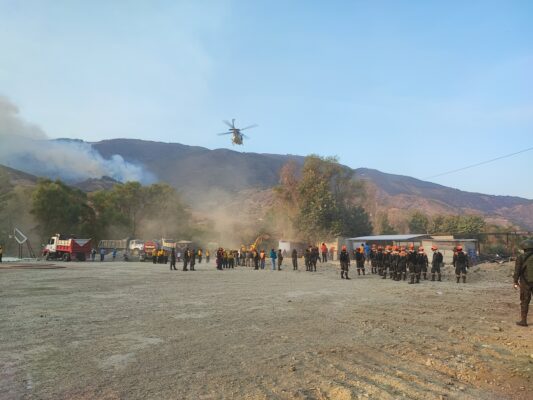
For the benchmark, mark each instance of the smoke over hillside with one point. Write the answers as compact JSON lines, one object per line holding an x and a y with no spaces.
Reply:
{"x":26,"y":147}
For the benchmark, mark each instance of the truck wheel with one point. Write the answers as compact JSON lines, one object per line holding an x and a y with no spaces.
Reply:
{"x":66,"y":257}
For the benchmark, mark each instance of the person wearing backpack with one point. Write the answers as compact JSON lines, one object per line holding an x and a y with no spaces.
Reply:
{"x":523,"y":278}
{"x":460,"y":262}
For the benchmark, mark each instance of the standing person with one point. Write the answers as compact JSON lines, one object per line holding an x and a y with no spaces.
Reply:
{"x":367,"y":252}
{"x":401,"y":265}
{"x":256,"y":259}
{"x":262,"y":258}
{"x":360,"y":261}
{"x":280,"y":259}
{"x":173,"y":260}
{"x":436,"y":262}
{"x":219,"y":258}
{"x":200,"y":256}
{"x":315,"y":257}
{"x":273,"y":257}
{"x":207,"y":255}
{"x":102,"y":254}
{"x":523,"y":279}
{"x":331,"y":253}
{"x":324,"y":251}
{"x":379,"y":260}
{"x":422,"y":260}
{"x":412,"y":263}
{"x":344,"y":258}
{"x":186,"y":258}
{"x":387,"y":258}
{"x":373,"y":260}
{"x":231,"y":259}
{"x":294,"y":256}
{"x":93,"y":254}
{"x":307,"y":259}
{"x":114,"y":254}
{"x":460,"y":262}
{"x":2,"y":253}
{"x":395,"y":255}
{"x":192,"y":261}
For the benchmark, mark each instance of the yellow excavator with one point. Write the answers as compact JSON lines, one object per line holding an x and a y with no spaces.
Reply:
{"x":258,"y":241}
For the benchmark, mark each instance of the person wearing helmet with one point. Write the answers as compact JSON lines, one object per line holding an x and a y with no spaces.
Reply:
{"x":360,"y":260}
{"x":436,"y":263}
{"x":422,"y":260}
{"x":394,"y":263}
{"x":523,"y":278}
{"x":386,"y":262}
{"x":401,"y":265}
{"x":460,"y":262}
{"x":379,"y":260}
{"x":412,"y":264}
{"x":344,"y":259}
{"x":373,"y":260}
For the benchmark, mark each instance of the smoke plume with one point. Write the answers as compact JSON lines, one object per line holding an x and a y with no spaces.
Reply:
{"x":26,"y":147}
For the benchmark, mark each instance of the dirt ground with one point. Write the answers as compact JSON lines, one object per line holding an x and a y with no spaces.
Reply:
{"x":139,"y":331}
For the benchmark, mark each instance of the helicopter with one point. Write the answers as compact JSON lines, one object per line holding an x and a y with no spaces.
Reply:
{"x":237,"y":137}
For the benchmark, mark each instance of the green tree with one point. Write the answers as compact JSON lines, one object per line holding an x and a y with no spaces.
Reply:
{"x":58,"y":208}
{"x":418,"y":223}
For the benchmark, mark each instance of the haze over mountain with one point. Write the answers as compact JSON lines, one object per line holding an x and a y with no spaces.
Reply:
{"x":218,"y":173}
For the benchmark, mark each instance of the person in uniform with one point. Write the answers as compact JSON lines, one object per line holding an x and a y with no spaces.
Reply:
{"x":373,"y":260}
{"x":192,"y":261}
{"x":219,"y":258}
{"x":294,"y":257}
{"x":436,"y":263}
{"x":412,"y":264}
{"x":401,"y":266}
{"x":307,"y":259}
{"x":207,"y":255}
{"x":280,"y":259}
{"x":394,"y":262}
{"x":262,"y":258}
{"x":523,"y":278}
{"x":173,"y":260}
{"x":379,"y":260}
{"x":460,"y":263}
{"x":324,"y":250}
{"x":186,"y":258}
{"x":387,"y":258}
{"x":360,"y":261}
{"x":344,"y":258}
{"x":423,"y":263}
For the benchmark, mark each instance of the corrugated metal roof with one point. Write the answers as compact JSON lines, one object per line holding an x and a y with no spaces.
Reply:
{"x":390,"y":238}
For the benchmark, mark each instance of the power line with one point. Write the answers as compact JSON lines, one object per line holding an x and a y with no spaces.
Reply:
{"x":478,"y":164}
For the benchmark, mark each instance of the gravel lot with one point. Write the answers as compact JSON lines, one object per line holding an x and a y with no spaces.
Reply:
{"x":119,"y":330}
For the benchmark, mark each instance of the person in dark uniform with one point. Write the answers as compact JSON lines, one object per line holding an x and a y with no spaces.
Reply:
{"x":173,"y":260}
{"x":373,"y":260}
{"x":344,"y":259}
{"x":294,"y":257}
{"x":192,"y":260}
{"x":255,"y":256}
{"x":387,"y":258}
{"x":379,"y":260}
{"x":219,"y":258}
{"x":401,"y":267}
{"x":280,"y":259}
{"x":395,"y":255}
{"x":523,"y":279}
{"x":412,"y":264}
{"x":186,"y":258}
{"x":307,"y":259}
{"x":360,"y":261}
{"x":436,"y":263}
{"x":460,"y":262}
{"x":423,"y":263}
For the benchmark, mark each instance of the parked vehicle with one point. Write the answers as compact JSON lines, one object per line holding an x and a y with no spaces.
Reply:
{"x":150,"y":247}
{"x":65,"y":248}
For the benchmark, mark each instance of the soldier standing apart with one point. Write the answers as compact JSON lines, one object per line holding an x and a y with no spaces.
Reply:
{"x":423,"y":262}
{"x":273,"y":257}
{"x":173,"y":260}
{"x":280,"y":259}
{"x":460,"y":262}
{"x":186,"y":257}
{"x":360,"y":261}
{"x":294,"y":256}
{"x":436,"y":262}
{"x":344,"y":259}
{"x":523,"y":278}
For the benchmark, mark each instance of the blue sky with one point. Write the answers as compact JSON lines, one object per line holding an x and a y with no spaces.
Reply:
{"x":408,"y":87}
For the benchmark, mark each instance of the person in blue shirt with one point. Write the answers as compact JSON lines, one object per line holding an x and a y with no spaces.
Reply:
{"x":273,"y":257}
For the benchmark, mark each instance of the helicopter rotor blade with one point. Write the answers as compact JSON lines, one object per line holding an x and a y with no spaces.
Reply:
{"x":224,"y":133}
{"x":245,"y":136}
{"x":249,"y":127}
{"x":228,"y":123}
